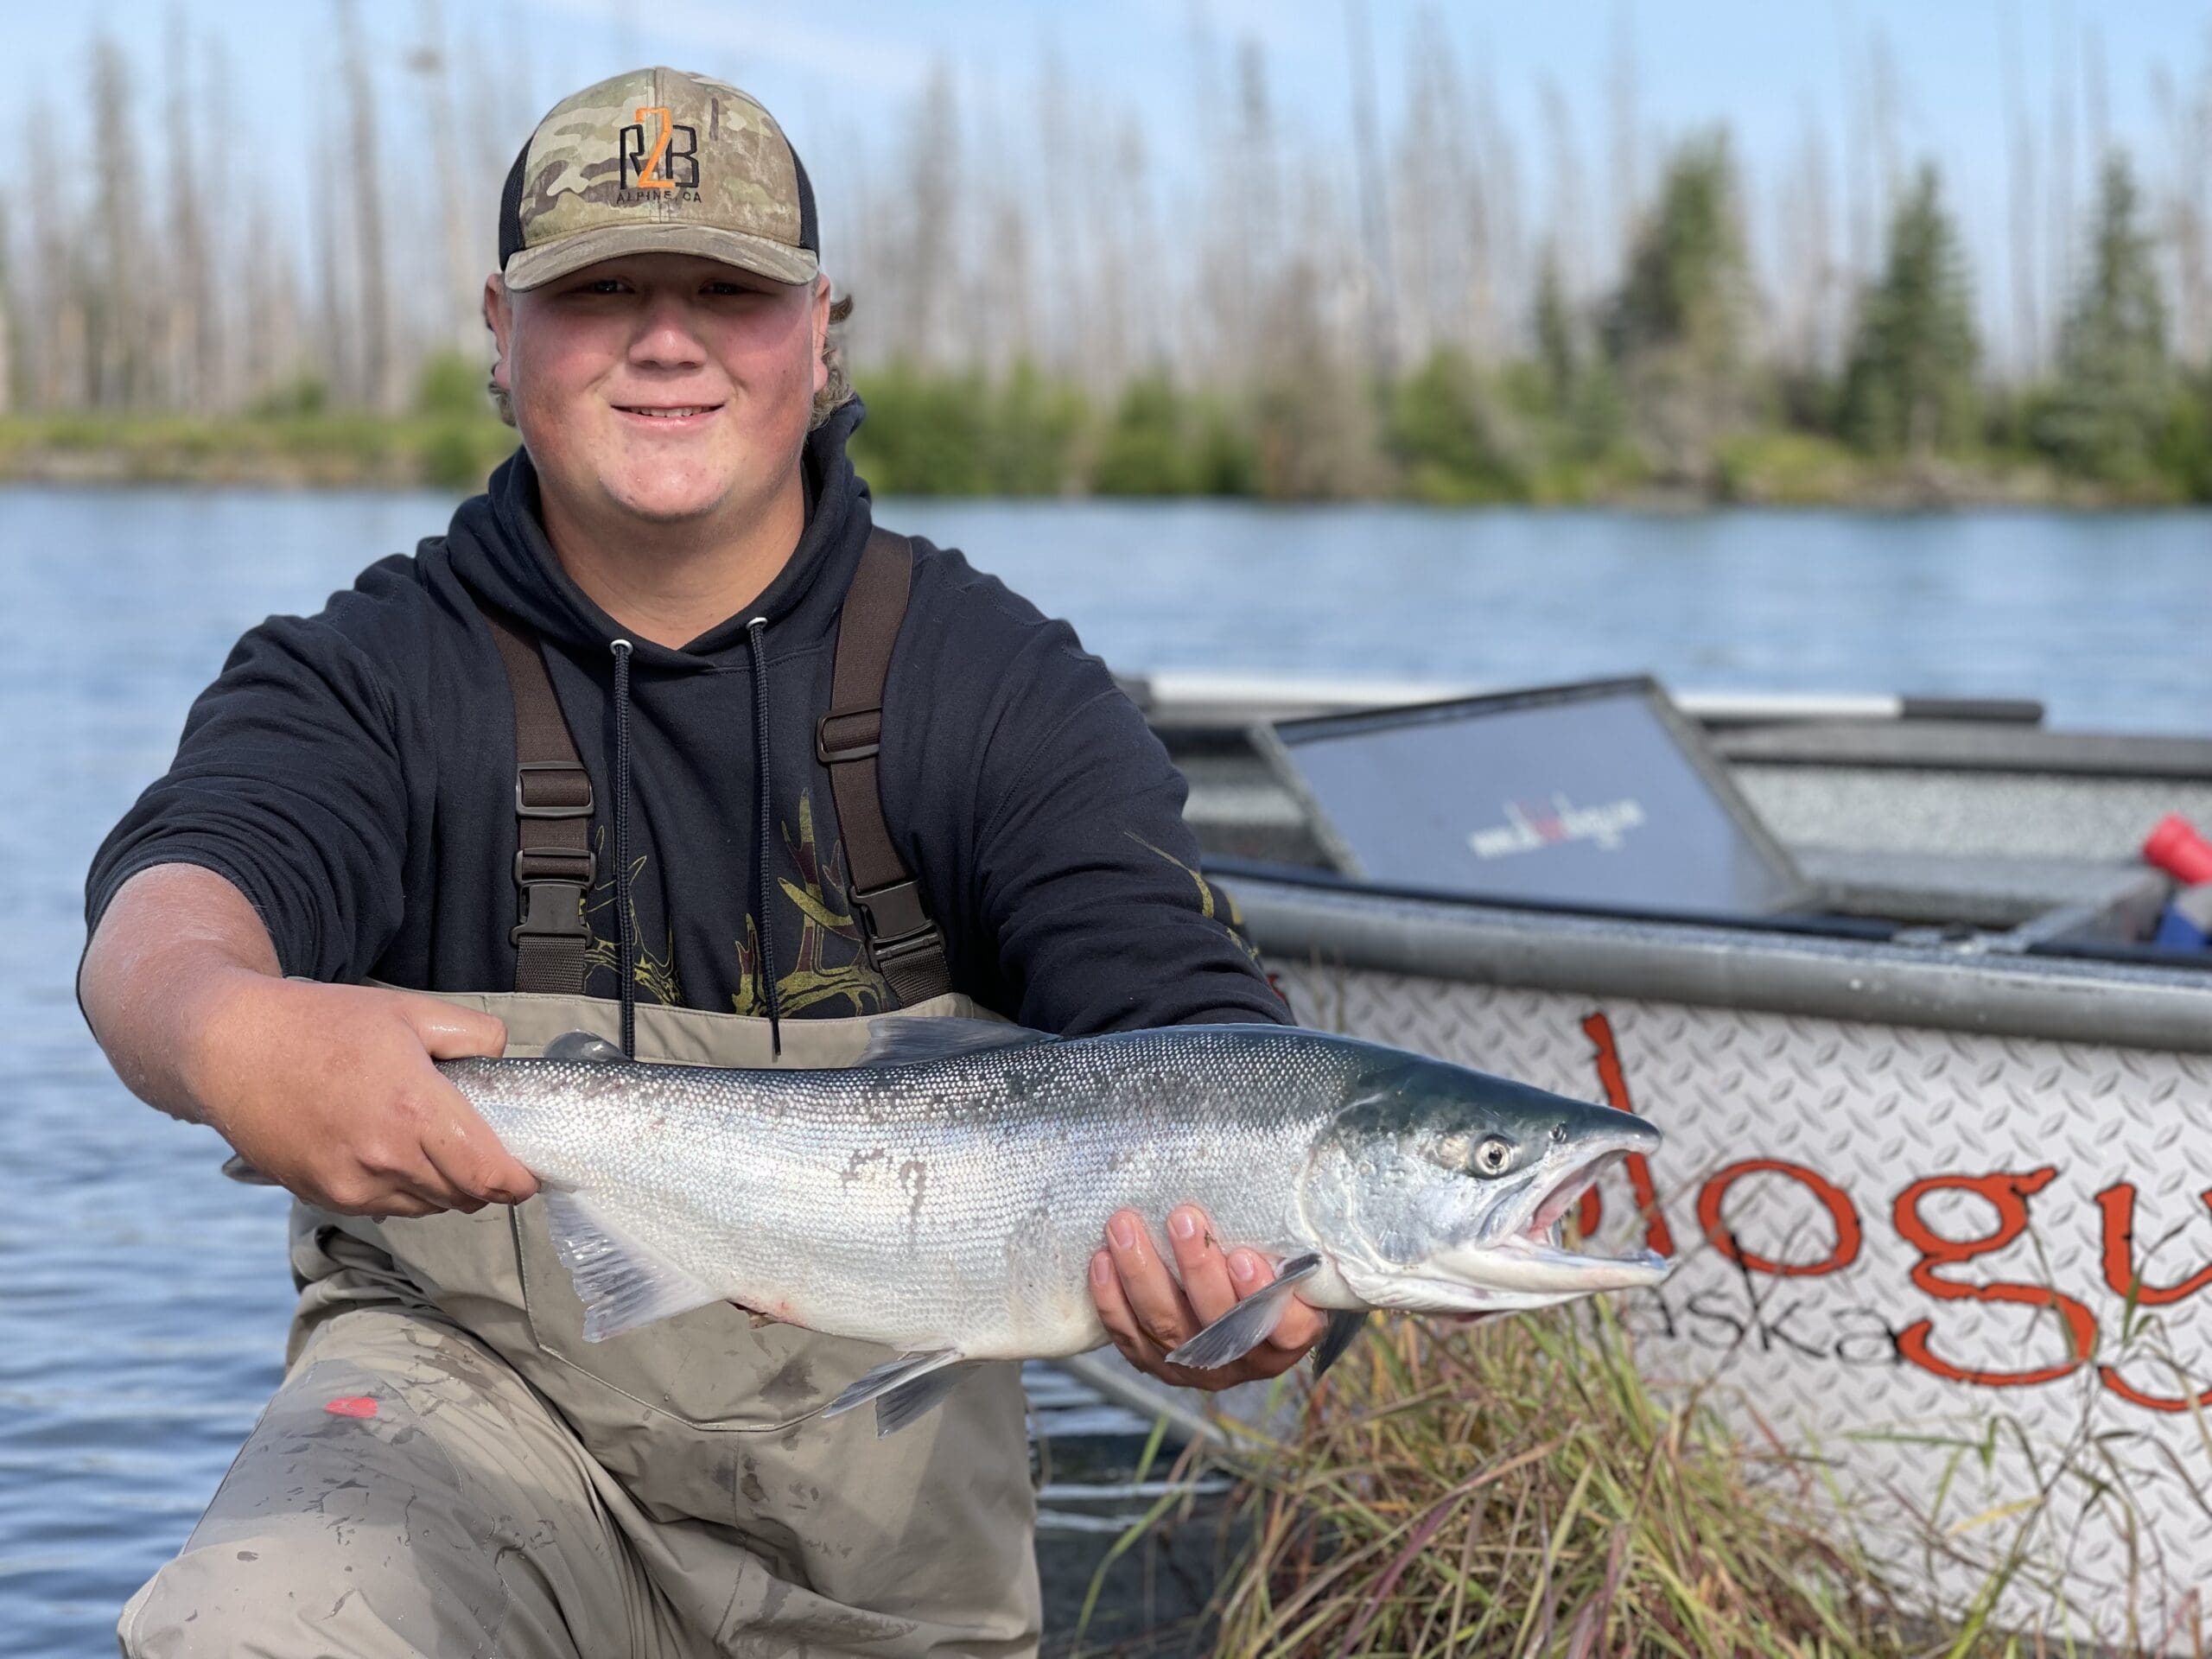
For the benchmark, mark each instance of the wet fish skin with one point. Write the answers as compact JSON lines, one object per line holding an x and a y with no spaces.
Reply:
{"x":951,"y":1204}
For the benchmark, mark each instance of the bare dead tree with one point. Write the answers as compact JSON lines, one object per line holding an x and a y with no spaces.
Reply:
{"x":458,"y":323}
{"x":2059,"y":218}
{"x":1621,"y":97}
{"x":365,"y":175}
{"x":120,"y":357}
{"x":1379,"y":274}
{"x":2022,"y":195}
{"x":187,"y":324}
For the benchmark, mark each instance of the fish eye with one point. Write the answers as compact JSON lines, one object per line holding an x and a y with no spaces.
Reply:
{"x":1493,"y":1155}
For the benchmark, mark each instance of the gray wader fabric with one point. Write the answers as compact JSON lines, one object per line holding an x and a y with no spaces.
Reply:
{"x":488,"y":1483}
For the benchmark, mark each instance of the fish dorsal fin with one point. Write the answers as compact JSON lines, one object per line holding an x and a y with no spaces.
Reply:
{"x":904,"y":1041}
{"x":622,"y":1282}
{"x":583,"y":1046}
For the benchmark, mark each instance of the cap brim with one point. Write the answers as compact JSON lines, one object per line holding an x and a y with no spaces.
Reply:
{"x":777,"y":261}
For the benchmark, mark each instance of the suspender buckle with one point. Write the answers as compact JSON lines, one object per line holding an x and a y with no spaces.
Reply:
{"x":559,"y":799}
{"x":894,"y":921}
{"x":554,"y":880}
{"x":848,"y":734}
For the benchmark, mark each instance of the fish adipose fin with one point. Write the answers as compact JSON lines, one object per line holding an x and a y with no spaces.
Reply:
{"x":1345,"y":1327}
{"x":623,"y":1284}
{"x":909,"y":1042}
{"x":1246,"y":1325}
{"x":903,"y":1388}
{"x":583,"y":1046}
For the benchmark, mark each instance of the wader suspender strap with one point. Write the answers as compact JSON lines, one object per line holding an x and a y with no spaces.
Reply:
{"x":555,"y":865}
{"x":901,"y":940}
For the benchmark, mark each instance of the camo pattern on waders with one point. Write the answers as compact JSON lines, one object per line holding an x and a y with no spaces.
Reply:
{"x":449,"y":1468}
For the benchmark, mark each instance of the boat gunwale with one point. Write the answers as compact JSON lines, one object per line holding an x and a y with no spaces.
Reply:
{"x":1977,"y":986}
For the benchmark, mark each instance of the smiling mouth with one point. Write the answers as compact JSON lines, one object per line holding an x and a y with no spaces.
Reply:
{"x":669,"y":414}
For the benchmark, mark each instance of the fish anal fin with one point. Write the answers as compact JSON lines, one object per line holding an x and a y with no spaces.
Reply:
{"x":900,"y":1041}
{"x":623,"y":1282}
{"x":1246,"y":1325}
{"x":1345,"y":1327}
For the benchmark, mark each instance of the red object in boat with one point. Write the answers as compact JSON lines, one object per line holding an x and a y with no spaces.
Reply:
{"x":2176,"y":848}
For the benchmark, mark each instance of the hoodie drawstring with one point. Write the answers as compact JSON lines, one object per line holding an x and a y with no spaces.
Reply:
{"x":626,"y":936}
{"x":757,"y":632}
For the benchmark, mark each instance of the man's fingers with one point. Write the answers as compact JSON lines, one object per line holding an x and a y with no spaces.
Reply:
{"x":1200,"y":1263}
{"x":1113,"y":1310}
{"x":1161,"y":1313}
{"x":450,"y":1032}
{"x":468,"y":1156}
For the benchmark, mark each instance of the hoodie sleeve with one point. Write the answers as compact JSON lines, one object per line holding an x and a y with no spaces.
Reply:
{"x":1078,"y":880}
{"x":288,"y":784}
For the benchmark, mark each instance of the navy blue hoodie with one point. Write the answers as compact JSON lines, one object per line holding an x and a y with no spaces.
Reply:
{"x":352,"y":774}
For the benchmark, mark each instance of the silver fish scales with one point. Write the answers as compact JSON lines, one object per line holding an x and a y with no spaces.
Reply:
{"x":945,"y":1197}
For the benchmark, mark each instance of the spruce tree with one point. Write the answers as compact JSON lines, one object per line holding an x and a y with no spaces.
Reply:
{"x":2116,"y":384}
{"x":1676,"y":330}
{"x":1908,"y":381}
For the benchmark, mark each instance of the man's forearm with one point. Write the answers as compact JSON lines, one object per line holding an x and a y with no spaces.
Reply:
{"x":170,"y":940}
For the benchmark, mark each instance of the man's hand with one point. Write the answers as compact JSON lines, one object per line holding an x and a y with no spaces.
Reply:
{"x":1149,"y":1315}
{"x":329,"y":1090}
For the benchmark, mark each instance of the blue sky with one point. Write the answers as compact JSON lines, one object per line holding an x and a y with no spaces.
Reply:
{"x":1763,"y":66}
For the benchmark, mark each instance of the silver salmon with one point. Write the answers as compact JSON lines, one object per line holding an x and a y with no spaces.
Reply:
{"x":944,"y":1197}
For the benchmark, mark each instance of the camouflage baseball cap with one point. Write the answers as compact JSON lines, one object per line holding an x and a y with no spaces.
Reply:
{"x":656,"y":161}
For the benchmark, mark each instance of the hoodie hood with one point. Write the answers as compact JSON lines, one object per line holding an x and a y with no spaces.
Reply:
{"x":498,"y":545}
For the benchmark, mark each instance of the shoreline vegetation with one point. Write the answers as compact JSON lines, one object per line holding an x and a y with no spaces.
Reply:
{"x":1028,"y":436}
{"x":1459,"y":298}
{"x":1665,"y":391}
{"x":1525,"y":1488}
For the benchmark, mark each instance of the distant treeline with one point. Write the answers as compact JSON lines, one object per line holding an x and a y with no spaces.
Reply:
{"x":1655,"y":390}
{"x":1431,"y":307}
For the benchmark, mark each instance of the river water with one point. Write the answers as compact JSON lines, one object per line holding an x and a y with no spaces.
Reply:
{"x":143,"y":1299}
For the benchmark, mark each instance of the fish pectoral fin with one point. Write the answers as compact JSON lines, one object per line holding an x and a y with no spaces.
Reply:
{"x":583,"y":1046}
{"x":1246,"y":1325}
{"x":243,"y":1173}
{"x":897,"y":1041}
{"x":1345,"y":1327}
{"x":622,"y":1283}
{"x":903,"y":1388}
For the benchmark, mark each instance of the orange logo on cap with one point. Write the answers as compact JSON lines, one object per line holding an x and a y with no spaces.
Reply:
{"x":666,"y":165}
{"x":645,"y":180}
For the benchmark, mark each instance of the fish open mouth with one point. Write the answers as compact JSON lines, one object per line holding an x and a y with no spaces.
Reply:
{"x":1536,"y":1257}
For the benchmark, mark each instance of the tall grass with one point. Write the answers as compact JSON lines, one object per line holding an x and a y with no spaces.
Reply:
{"x":1520,"y":1489}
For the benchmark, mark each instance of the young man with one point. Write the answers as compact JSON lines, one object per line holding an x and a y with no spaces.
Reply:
{"x":607,"y":753}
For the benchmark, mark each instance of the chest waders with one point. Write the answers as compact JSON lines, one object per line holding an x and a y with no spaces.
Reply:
{"x":458,"y":1471}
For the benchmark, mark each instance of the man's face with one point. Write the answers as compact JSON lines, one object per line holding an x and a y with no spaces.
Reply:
{"x":661,"y":385}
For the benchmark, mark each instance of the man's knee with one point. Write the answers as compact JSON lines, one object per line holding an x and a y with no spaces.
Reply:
{"x":301,"y":1591}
